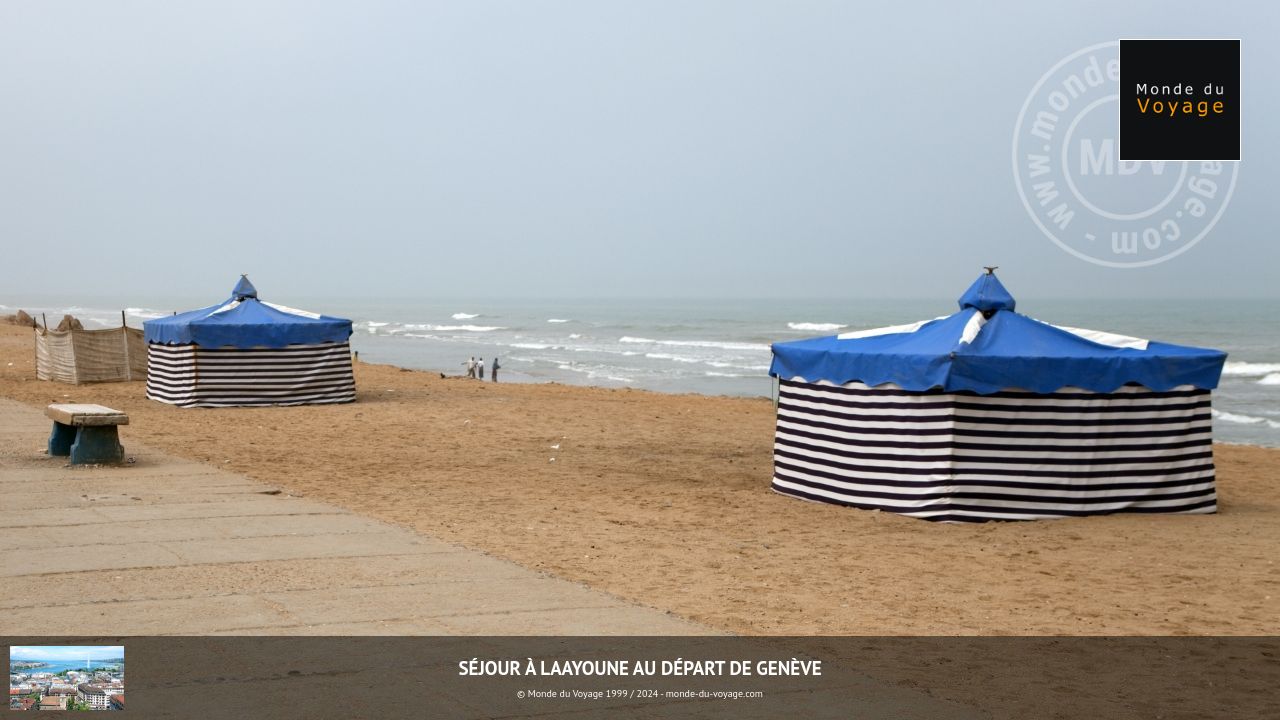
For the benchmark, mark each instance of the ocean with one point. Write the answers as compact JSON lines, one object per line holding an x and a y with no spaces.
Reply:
{"x":57,"y":666}
{"x":721,"y":347}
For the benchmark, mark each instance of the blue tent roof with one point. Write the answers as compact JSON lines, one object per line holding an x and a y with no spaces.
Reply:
{"x":245,"y":321}
{"x":987,"y":347}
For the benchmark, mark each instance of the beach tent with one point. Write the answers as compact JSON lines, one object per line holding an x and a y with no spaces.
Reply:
{"x":87,"y":356}
{"x":988,"y":414}
{"x":247,"y":352}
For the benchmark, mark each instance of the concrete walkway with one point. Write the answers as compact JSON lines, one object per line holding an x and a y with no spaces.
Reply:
{"x":163,"y":546}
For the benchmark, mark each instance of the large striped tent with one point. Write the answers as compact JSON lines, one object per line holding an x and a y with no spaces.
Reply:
{"x":247,"y":352}
{"x":988,"y":414}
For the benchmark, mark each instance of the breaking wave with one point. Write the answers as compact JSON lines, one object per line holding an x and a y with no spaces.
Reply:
{"x":816,"y":327}
{"x":464,"y":328}
{"x":1248,"y":369}
{"x":696,"y":343}
{"x":1244,"y":419}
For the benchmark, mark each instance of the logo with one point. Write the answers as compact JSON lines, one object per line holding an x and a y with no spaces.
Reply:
{"x":1180,"y":99}
{"x":1071,"y":180}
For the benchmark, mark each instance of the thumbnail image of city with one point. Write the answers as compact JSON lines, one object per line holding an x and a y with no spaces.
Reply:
{"x":66,"y":677}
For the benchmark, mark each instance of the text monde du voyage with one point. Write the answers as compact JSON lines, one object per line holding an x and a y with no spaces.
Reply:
{"x":1179,"y":100}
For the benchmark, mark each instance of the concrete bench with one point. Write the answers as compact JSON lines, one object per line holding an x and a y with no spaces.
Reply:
{"x":87,"y":433}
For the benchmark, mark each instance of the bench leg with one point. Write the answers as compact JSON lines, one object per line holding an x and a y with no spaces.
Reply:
{"x":97,"y":444}
{"x":61,"y":438}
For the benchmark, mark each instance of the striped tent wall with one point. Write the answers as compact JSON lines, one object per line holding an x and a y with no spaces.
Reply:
{"x":194,"y":376}
{"x":1007,"y":456}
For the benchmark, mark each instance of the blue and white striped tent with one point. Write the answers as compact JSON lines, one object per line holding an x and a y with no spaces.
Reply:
{"x":988,"y":414}
{"x":248,"y":352}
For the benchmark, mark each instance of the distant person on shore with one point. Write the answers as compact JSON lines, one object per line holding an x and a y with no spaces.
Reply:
{"x":495,"y":369}
{"x":471,"y":366}
{"x":480,"y":368}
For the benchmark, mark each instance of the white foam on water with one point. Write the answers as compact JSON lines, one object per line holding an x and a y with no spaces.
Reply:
{"x":737,"y":366}
{"x":574,"y":336}
{"x":531,"y":346}
{"x":713,"y":373}
{"x":1249,"y":369}
{"x":558,"y":320}
{"x":596,"y":372}
{"x":696,"y":343}
{"x":147,"y":313}
{"x":1272,"y":379}
{"x":674,"y":358}
{"x":464,"y":328}
{"x":1244,"y":419}
{"x":816,"y":327}
{"x":464,"y":316}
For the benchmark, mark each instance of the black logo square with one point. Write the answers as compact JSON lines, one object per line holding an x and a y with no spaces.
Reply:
{"x":1179,"y":100}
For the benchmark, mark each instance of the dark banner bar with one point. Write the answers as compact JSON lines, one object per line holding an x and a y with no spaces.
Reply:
{"x":701,"y":677}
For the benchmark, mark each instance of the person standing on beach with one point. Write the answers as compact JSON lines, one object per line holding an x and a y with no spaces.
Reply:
{"x":495,"y":369}
{"x":480,"y":368}
{"x":471,"y":366}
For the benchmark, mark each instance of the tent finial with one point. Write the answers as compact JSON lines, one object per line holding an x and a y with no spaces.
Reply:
{"x":991,"y":269}
{"x":244,"y":289}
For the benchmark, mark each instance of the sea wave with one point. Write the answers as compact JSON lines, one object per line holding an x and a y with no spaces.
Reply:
{"x":597,"y":372}
{"x":464,"y":328}
{"x":816,"y":327}
{"x":757,"y":368}
{"x":574,"y":336}
{"x":1244,"y":419}
{"x":1250,"y":369}
{"x":1272,"y":379}
{"x":464,"y":316}
{"x":695,"y":343}
{"x":145,"y":313}
{"x":673,"y":358}
{"x":557,"y":320}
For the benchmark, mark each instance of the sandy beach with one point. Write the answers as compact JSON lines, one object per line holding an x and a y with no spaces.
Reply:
{"x":664,"y":500}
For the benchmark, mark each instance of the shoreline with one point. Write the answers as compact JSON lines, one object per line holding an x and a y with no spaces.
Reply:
{"x":664,"y":500}
{"x":1244,"y":407}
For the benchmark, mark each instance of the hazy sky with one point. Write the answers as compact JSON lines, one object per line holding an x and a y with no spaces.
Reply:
{"x":65,"y":652}
{"x":582,"y":148}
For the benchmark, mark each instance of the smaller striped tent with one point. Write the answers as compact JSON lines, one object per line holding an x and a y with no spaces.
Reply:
{"x":990,"y":415}
{"x":246,"y":352}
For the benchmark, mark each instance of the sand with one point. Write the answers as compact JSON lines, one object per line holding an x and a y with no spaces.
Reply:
{"x":664,"y":500}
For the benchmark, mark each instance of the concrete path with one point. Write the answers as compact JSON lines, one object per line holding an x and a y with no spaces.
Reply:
{"x":163,"y":546}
